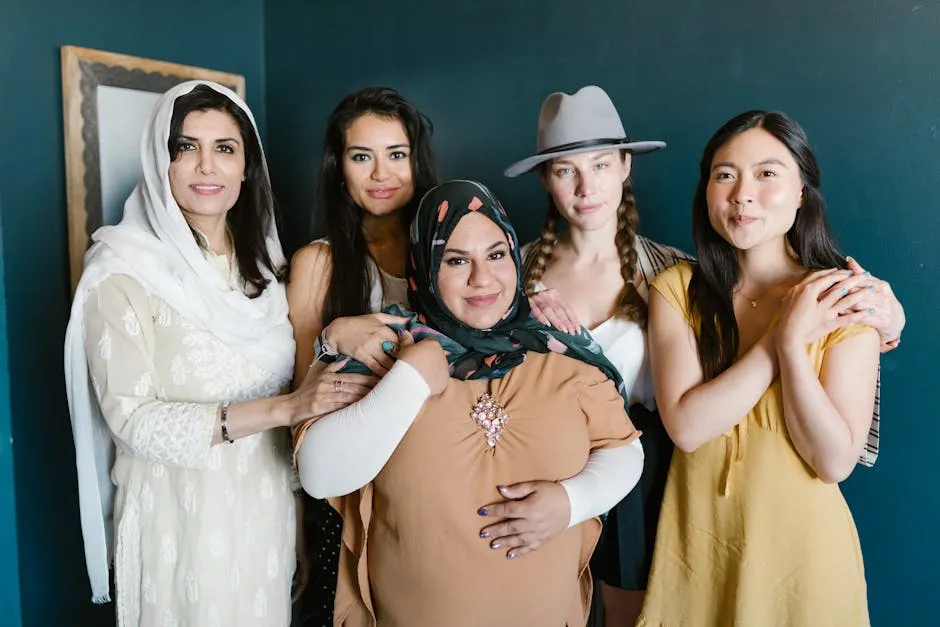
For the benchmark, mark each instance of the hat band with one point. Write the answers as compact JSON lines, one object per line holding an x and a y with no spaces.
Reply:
{"x":610,"y":141}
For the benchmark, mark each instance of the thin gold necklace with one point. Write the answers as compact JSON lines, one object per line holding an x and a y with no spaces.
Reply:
{"x":754,"y":301}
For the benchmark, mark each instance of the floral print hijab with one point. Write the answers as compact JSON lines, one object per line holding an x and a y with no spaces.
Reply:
{"x":476,"y":353}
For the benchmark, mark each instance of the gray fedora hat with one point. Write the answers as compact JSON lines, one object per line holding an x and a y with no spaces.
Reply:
{"x":580,"y":122}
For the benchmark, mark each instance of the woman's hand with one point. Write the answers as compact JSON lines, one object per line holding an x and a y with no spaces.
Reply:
{"x":817,"y":305}
{"x":326,"y":390}
{"x":535,"y":512}
{"x":427,"y":357}
{"x":550,"y":309}
{"x":885,"y":313}
{"x":362,"y":338}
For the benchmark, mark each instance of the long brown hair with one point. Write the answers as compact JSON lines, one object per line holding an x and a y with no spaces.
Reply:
{"x":630,"y":305}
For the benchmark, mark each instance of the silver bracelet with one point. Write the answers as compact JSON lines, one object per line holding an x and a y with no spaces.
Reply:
{"x":223,"y":423}
{"x":322,"y":348}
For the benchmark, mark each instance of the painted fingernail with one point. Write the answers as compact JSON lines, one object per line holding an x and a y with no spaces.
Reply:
{"x":843,"y":292}
{"x":484,"y":534}
{"x":871,"y":311}
{"x":495,"y":544}
{"x":510,"y":556}
{"x":501,"y":488}
{"x":866,"y":273}
{"x":482,"y":511}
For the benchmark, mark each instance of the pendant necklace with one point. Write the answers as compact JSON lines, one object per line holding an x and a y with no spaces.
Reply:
{"x":753,"y":301}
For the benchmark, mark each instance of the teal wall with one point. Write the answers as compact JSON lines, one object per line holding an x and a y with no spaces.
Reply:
{"x":9,"y":566}
{"x":220,"y":34}
{"x":861,"y":77}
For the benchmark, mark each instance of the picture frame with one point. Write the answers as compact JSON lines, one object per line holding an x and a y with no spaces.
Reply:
{"x":107,"y":97}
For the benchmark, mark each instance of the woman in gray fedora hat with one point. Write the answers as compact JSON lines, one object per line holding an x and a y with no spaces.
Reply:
{"x":596,"y":273}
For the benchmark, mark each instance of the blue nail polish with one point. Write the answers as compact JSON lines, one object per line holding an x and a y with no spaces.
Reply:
{"x":867,"y":273}
{"x":482,"y":511}
{"x":495,"y":544}
{"x":510,"y":556}
{"x":843,"y":292}
{"x":484,"y":534}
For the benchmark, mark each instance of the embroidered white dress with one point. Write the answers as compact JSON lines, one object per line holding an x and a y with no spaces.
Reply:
{"x":204,"y":535}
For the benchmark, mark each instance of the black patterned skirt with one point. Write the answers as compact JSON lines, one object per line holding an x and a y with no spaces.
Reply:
{"x":324,"y":530}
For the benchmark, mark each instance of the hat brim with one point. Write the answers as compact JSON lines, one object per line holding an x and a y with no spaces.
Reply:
{"x":526,"y":165}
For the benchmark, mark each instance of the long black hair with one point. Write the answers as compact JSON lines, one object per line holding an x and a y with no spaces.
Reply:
{"x":350,"y":285}
{"x":250,"y":218}
{"x":717,"y":271}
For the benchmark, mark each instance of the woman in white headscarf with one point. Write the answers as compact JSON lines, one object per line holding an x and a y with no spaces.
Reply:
{"x":177,"y":349}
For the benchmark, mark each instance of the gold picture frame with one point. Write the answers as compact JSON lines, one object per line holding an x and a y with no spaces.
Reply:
{"x":104,"y":97}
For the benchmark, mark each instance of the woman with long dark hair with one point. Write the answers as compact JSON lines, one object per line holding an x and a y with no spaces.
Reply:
{"x":765,"y":379}
{"x":377,"y":163}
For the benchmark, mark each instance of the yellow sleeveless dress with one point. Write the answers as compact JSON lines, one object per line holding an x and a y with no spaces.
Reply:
{"x":749,"y":535}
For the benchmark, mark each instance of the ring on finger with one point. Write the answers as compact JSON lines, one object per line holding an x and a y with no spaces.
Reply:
{"x":338,"y":385}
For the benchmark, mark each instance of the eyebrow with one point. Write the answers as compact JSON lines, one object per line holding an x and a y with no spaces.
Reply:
{"x":218,"y":141}
{"x":770,"y":161}
{"x":603,"y":155}
{"x":466,"y":252}
{"x":367,"y":149}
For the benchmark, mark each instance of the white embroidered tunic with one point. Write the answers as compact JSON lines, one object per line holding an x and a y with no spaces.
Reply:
{"x":204,"y":535}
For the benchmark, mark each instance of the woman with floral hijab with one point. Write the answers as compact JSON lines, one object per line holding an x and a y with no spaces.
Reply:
{"x":481,"y":396}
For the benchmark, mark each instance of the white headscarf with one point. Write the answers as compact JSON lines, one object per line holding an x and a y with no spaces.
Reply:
{"x":154,"y":245}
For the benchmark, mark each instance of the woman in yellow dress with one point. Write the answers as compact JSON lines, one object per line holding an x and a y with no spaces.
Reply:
{"x":765,"y":382}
